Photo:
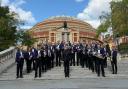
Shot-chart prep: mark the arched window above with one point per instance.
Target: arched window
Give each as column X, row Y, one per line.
column 52, row 37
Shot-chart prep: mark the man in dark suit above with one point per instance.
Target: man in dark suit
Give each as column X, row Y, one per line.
column 114, row 61
column 58, row 54
column 52, row 55
column 66, row 58
column 34, row 56
column 20, row 61
column 100, row 61
column 79, row 53
column 38, row 63
column 73, row 50
column 26, row 57
column 44, row 59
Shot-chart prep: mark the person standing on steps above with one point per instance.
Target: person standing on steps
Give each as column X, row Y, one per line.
column 100, row 61
column 58, row 54
column 38, row 63
column 66, row 58
column 20, row 62
column 114, row 61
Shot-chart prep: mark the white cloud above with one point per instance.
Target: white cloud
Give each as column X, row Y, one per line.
column 4, row 2
column 79, row 0
column 16, row 7
column 26, row 27
column 94, row 9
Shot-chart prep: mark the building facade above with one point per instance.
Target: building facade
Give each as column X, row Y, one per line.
column 53, row 29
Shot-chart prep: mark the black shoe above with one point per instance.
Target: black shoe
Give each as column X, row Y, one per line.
column 98, row 75
column 17, row 77
column 21, row 77
column 103, row 75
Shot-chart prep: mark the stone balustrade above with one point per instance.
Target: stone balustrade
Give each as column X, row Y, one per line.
column 7, row 58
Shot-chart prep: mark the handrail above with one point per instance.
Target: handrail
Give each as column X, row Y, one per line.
column 7, row 54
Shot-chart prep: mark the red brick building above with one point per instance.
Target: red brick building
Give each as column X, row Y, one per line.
column 52, row 30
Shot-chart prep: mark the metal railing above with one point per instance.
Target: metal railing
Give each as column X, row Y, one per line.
column 7, row 54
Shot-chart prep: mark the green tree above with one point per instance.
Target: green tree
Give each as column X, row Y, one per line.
column 8, row 26
column 24, row 37
column 119, row 17
column 105, row 23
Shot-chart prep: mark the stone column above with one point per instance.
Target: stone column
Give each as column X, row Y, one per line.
column 65, row 36
column 68, row 36
column 62, row 36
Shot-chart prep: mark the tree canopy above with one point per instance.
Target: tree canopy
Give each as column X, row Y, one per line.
column 117, row 19
column 24, row 37
column 8, row 26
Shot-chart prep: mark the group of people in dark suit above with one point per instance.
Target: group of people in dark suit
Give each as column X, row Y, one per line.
column 43, row 58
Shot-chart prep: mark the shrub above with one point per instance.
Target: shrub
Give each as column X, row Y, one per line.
column 123, row 48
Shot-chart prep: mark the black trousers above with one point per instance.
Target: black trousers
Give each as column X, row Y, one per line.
column 95, row 64
column 33, row 62
column 100, row 67
column 82, row 62
column 58, row 59
column 92, row 64
column 79, row 57
column 66, row 68
column 86, row 61
column 28, row 65
column 20, row 69
column 89, row 62
column 49, row 63
column 44, row 65
column 52, row 61
column 114, row 67
column 38, row 67
column 105, row 62
column 72, row 61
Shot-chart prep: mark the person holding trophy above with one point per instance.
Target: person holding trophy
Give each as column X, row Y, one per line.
column 100, row 55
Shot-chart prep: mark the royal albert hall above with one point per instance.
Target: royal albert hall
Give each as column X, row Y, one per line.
column 63, row 28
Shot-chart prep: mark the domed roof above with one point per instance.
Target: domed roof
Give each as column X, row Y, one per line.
column 64, row 18
column 58, row 21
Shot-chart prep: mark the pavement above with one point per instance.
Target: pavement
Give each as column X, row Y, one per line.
column 76, row 72
column 87, row 83
column 80, row 78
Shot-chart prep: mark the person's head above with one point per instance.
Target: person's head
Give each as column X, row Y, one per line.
column 18, row 49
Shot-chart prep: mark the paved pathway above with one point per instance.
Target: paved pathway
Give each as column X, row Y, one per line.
column 76, row 72
column 87, row 83
column 81, row 78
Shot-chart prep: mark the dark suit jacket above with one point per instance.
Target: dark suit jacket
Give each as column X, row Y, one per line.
column 18, row 56
column 26, row 55
column 114, row 55
column 66, row 55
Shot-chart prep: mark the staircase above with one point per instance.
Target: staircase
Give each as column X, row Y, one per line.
column 76, row 72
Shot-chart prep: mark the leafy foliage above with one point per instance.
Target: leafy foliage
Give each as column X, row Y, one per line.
column 8, row 26
column 119, row 19
column 123, row 48
column 105, row 23
column 25, row 38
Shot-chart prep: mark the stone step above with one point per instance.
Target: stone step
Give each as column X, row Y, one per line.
column 75, row 72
